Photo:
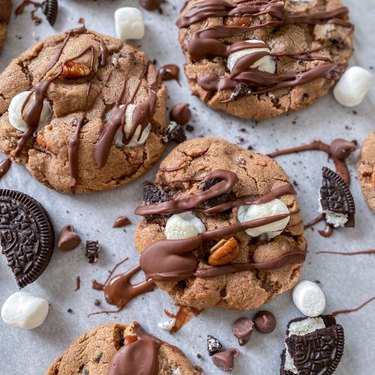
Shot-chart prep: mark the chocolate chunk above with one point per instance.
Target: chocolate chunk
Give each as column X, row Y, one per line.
column 69, row 240
column 242, row 329
column 264, row 321
column 180, row 114
column 213, row 345
column 27, row 236
column 336, row 197
column 121, row 221
column 207, row 184
column 92, row 251
column 50, row 9
column 225, row 360
column 174, row 133
column 153, row 195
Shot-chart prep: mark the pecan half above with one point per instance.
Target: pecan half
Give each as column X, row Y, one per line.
column 73, row 70
column 224, row 252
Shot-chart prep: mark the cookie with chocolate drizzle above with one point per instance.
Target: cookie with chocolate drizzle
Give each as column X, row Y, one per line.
column 5, row 13
column 260, row 59
column 208, row 182
column 87, row 113
column 121, row 349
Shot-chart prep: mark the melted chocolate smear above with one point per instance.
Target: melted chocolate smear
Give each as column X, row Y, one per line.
column 348, row 311
column 4, row 167
column 183, row 316
column 78, row 284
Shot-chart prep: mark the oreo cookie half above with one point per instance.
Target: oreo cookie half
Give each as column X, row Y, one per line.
column 27, row 235
column 314, row 346
column 336, row 200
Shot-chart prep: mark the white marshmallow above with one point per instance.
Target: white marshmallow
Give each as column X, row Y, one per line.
column 15, row 111
column 258, row 211
column 264, row 64
column 183, row 225
column 353, row 86
column 134, row 142
column 129, row 23
column 24, row 310
column 309, row 298
column 167, row 325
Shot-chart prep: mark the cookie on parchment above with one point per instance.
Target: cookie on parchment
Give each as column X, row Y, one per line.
column 222, row 227
column 121, row 349
column 366, row 170
column 257, row 60
column 83, row 111
column 5, row 12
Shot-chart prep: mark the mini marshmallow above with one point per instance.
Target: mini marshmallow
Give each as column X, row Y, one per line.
column 258, row 211
column 15, row 111
column 309, row 298
column 167, row 325
column 135, row 141
column 183, row 225
column 264, row 64
column 353, row 86
column 129, row 23
column 24, row 310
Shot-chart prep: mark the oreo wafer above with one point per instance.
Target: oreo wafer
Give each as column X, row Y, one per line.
column 336, row 200
column 27, row 235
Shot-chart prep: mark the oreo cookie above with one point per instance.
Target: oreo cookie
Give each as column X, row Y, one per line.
column 153, row 195
column 314, row 346
column 336, row 200
column 27, row 236
column 223, row 198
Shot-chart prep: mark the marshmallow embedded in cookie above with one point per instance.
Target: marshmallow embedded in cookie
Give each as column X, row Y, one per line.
column 259, row 211
column 353, row 86
column 264, row 64
column 18, row 107
column 24, row 310
column 139, row 138
column 183, row 225
column 129, row 23
column 309, row 298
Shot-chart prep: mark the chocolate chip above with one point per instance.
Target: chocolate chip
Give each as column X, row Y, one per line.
column 69, row 239
column 174, row 133
column 27, row 236
column 225, row 360
column 121, row 221
column 264, row 321
column 213, row 345
column 242, row 329
column 180, row 114
column 153, row 195
column 92, row 251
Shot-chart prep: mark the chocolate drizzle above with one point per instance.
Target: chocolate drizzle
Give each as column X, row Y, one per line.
column 351, row 253
column 4, row 167
column 347, row 311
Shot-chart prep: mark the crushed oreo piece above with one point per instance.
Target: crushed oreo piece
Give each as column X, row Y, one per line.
column 336, row 200
column 98, row 357
column 207, row 184
column 174, row 133
column 213, row 345
column 50, row 9
column 241, row 89
column 153, row 195
column 242, row 329
column 92, row 251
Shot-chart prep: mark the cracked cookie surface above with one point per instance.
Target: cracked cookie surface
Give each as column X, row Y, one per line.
column 117, row 73
column 179, row 177
column 309, row 52
column 366, row 170
column 92, row 353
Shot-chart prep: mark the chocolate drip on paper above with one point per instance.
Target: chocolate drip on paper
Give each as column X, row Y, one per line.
column 150, row 4
column 350, row 253
column 137, row 358
column 328, row 231
column 347, row 311
column 4, row 167
column 121, row 221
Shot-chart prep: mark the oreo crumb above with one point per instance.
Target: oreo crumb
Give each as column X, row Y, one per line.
column 174, row 133
column 92, row 251
column 152, row 194
column 213, row 345
column 70, row 311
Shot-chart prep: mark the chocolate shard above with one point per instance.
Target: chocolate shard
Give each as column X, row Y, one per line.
column 153, row 195
column 27, row 236
column 50, row 9
column 92, row 251
column 336, row 199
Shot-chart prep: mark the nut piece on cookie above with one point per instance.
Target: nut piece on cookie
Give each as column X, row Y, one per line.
column 23, row 310
column 259, row 211
column 224, row 252
column 353, row 86
column 183, row 225
column 129, row 23
column 264, row 64
column 21, row 104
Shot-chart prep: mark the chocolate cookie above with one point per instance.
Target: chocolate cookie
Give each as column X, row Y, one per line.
column 120, row 349
column 5, row 13
column 366, row 170
column 27, row 236
column 257, row 60
column 222, row 227
column 83, row 111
